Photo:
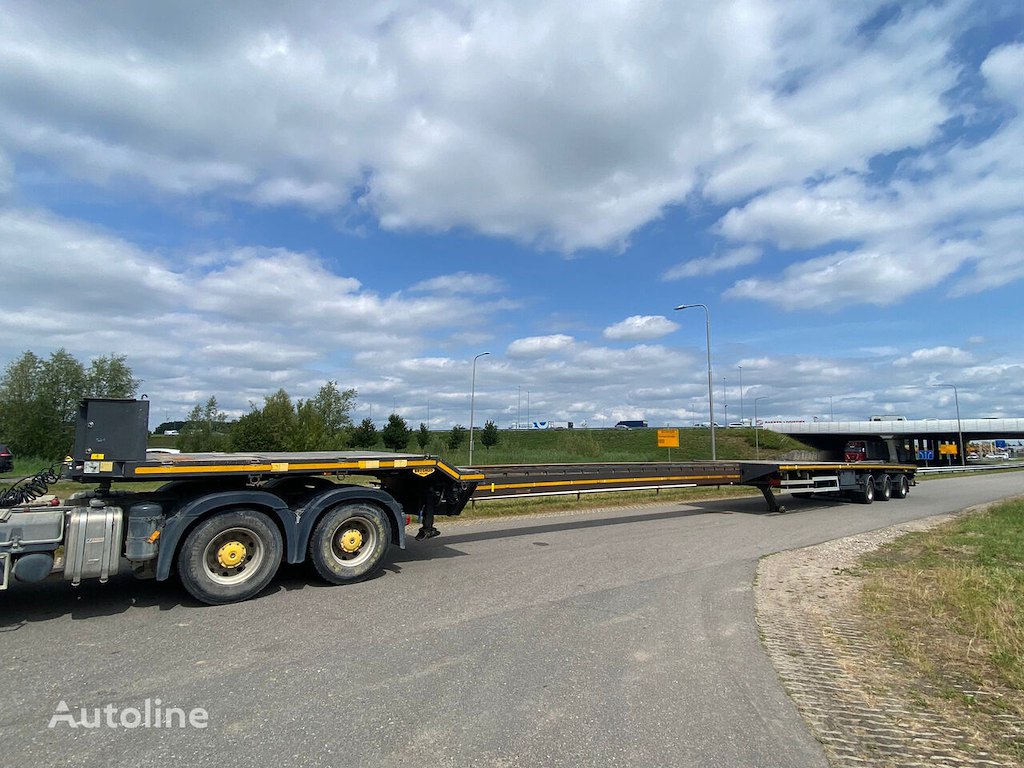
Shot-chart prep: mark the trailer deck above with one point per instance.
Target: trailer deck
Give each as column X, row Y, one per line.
column 490, row 482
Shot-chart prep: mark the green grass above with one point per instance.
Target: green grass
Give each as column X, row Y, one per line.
column 950, row 603
column 593, row 445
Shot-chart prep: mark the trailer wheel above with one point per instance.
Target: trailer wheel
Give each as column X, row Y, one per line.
column 867, row 495
column 884, row 489
column 230, row 557
column 902, row 487
column 349, row 543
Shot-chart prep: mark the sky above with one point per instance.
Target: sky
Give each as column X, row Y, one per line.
column 246, row 196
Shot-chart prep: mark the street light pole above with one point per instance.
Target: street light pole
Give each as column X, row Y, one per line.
column 741, row 392
column 757, row 442
column 959, row 431
column 472, row 405
column 711, row 395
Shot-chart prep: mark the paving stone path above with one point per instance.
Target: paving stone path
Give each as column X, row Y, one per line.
column 852, row 693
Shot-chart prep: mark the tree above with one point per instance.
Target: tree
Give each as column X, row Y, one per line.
column 205, row 429
column 111, row 377
column 39, row 398
column 456, row 437
column 396, row 433
column 250, row 432
column 365, row 435
column 489, row 435
column 322, row 423
column 423, row 436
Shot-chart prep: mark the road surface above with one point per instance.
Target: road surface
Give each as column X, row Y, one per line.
column 623, row 637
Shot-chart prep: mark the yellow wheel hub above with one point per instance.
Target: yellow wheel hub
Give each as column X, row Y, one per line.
column 231, row 554
column 351, row 540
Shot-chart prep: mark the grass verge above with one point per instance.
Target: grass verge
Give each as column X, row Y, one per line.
column 950, row 604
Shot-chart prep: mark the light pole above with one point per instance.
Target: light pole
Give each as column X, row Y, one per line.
column 831, row 413
column 959, row 432
column 711, row 395
column 757, row 442
column 741, row 392
column 472, row 405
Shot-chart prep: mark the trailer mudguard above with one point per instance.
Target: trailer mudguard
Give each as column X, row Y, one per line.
column 193, row 509
column 316, row 506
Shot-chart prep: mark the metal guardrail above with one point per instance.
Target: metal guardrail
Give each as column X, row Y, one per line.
column 969, row 468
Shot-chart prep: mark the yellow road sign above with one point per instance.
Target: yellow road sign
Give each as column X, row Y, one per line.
column 668, row 438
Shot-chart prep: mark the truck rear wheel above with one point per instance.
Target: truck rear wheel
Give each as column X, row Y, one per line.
column 884, row 488
column 901, row 488
column 230, row 557
column 867, row 495
column 349, row 543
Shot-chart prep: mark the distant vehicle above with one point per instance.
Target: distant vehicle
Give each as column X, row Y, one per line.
column 997, row 455
column 171, row 432
column 972, row 455
column 6, row 459
column 632, row 424
column 738, row 424
column 888, row 417
column 162, row 450
column 865, row 450
column 706, row 424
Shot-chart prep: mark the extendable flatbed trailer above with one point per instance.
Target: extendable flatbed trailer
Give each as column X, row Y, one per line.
column 861, row 481
column 224, row 522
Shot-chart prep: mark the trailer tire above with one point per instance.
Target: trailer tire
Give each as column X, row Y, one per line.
column 884, row 488
column 902, row 488
column 867, row 495
column 230, row 556
column 349, row 543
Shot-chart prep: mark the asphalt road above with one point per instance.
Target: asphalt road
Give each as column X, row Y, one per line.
column 618, row 638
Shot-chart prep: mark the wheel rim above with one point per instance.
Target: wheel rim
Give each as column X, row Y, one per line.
column 233, row 556
column 354, row 541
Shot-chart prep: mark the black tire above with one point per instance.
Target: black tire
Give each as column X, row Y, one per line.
column 883, row 488
column 230, row 557
column 349, row 543
column 867, row 495
column 901, row 489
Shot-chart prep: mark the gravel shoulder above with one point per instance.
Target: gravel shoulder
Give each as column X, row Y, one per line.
column 856, row 697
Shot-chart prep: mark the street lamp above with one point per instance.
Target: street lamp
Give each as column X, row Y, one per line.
column 959, row 431
column 757, row 443
column 711, row 396
column 472, row 405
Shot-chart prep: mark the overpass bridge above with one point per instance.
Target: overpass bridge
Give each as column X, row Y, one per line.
column 912, row 436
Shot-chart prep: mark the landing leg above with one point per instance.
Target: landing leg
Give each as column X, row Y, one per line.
column 773, row 505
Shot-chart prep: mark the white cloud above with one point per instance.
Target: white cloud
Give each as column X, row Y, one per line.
column 461, row 283
column 709, row 265
column 943, row 356
column 535, row 121
column 540, row 346
column 1002, row 68
column 640, row 328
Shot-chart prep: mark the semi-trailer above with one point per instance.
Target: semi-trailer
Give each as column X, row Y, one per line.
column 223, row 523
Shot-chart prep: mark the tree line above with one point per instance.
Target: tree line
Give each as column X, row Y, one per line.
column 39, row 398
column 39, row 406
